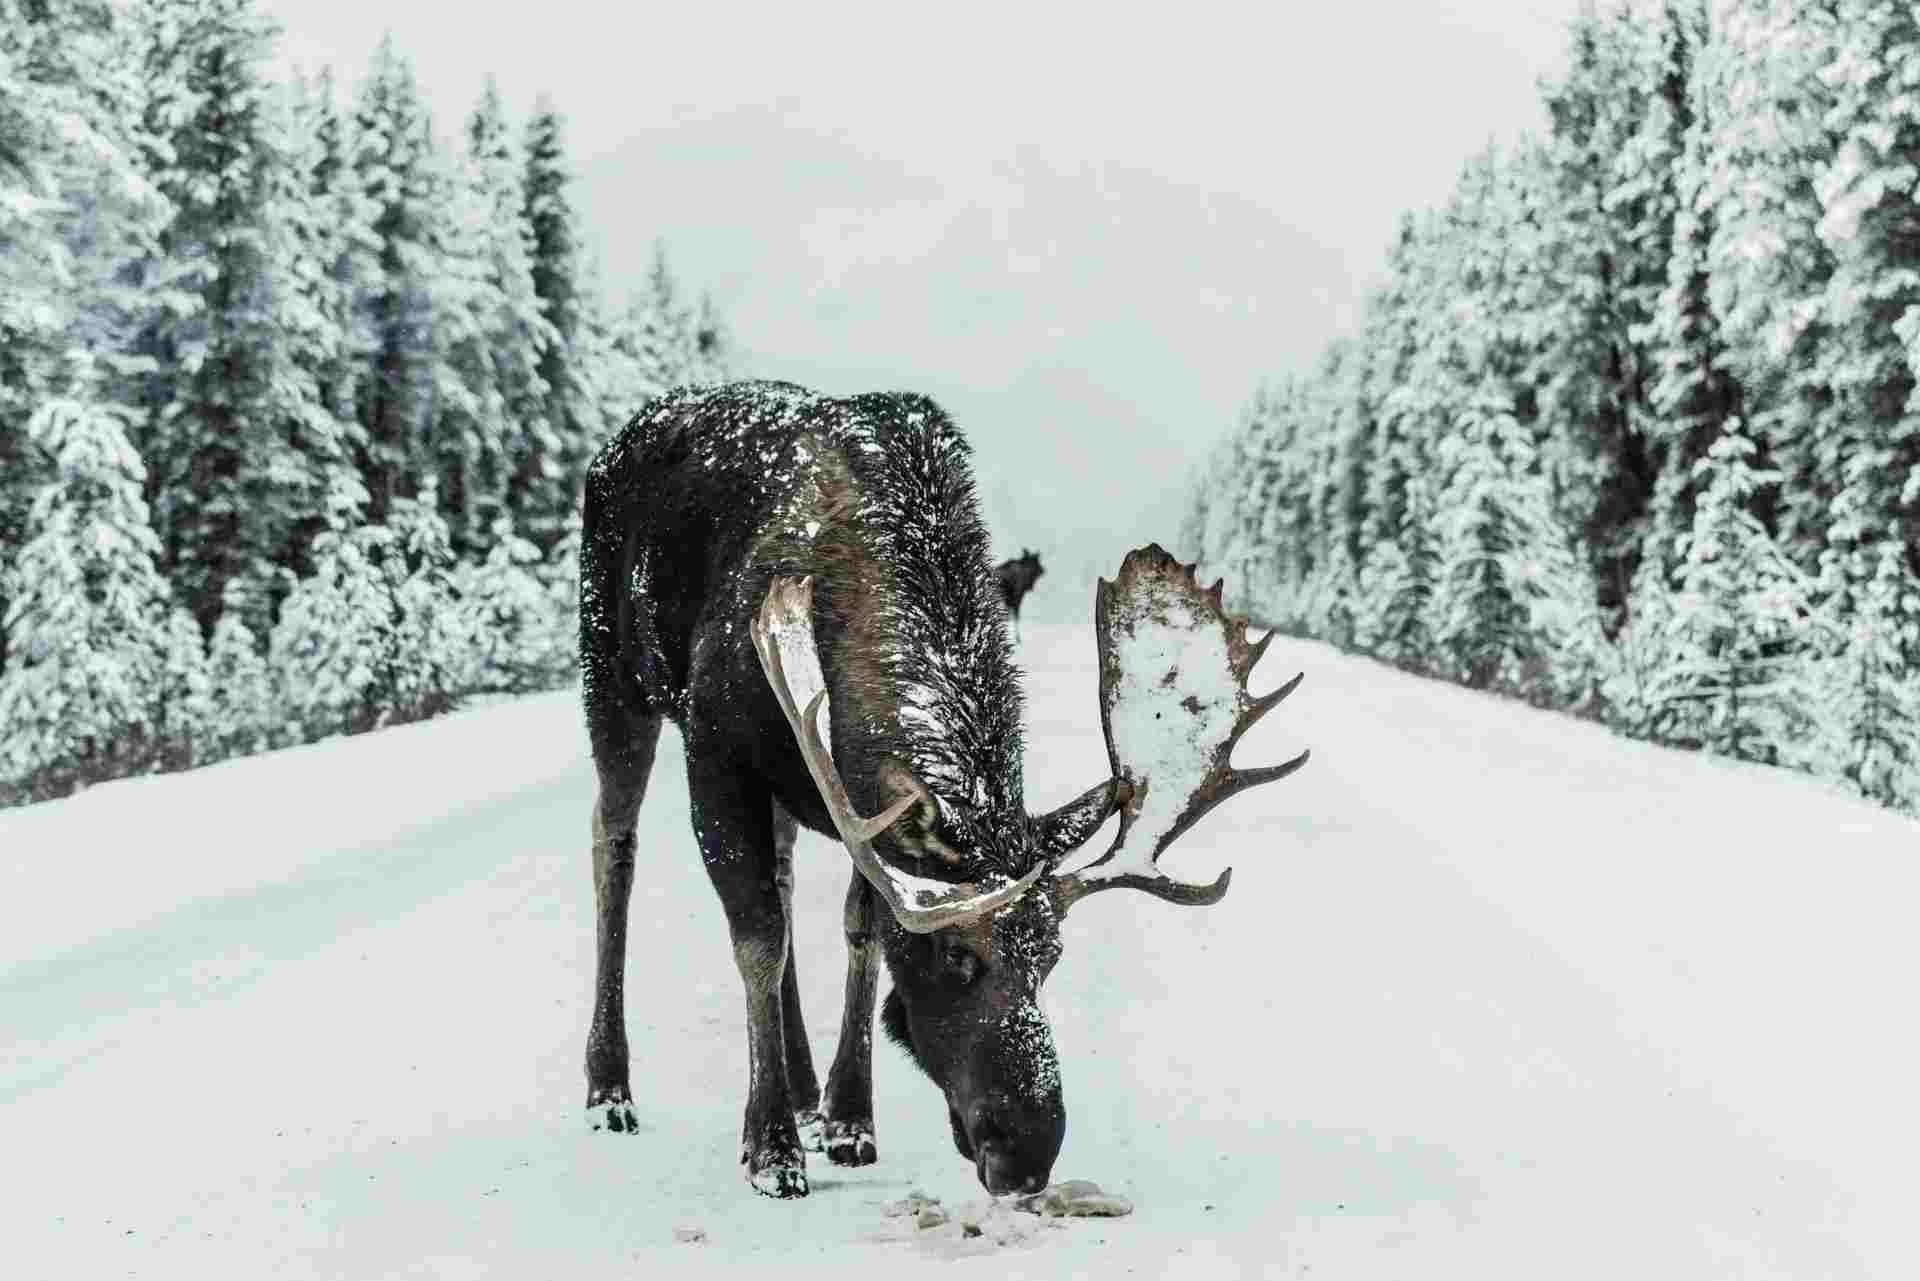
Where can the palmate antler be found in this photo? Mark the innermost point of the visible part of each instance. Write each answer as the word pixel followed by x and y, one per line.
pixel 1173 702
pixel 783 637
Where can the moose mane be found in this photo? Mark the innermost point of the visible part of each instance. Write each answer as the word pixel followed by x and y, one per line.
pixel 929 638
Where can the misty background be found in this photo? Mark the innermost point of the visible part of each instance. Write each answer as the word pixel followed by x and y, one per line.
pixel 1086 234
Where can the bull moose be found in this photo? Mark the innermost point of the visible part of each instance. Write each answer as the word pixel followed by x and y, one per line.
pixel 801 584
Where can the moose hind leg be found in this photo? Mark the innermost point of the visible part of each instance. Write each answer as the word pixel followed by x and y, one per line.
pixel 733 821
pixel 802 1085
pixel 623 748
pixel 848 1129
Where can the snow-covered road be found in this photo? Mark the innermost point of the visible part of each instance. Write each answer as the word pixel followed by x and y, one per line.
pixel 1494 995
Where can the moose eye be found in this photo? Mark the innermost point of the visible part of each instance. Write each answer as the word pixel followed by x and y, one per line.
pixel 959 964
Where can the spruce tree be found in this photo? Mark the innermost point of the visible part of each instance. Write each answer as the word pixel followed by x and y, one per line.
pixel 518 332
pixel 394 167
pixel 89 618
pixel 1476 616
pixel 546 476
pixel 1740 615
pixel 77 214
pixel 235 425
pixel 1864 694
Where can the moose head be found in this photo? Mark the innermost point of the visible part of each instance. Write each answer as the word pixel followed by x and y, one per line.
pixel 968 959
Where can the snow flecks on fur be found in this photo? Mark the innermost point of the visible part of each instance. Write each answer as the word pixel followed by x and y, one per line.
pixel 953 713
pixel 960 698
pixel 1176 701
pixel 1027 937
pixel 1026 1036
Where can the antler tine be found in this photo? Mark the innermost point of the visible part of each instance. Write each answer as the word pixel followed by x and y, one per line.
pixel 1254 652
pixel 921 905
pixel 1266 702
pixel 1173 705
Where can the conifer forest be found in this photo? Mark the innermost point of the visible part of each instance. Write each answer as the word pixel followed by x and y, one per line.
pixel 297 391
pixel 298 386
pixel 1630 426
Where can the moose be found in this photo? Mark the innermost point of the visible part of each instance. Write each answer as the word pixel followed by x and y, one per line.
pixel 801 584
pixel 1016 578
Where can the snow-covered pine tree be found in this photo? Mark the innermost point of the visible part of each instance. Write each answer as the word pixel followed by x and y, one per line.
pixel 520 333
pixel 1603 261
pixel 1477 617
pixel 545 480
pixel 343 242
pixel 329 648
pixel 1766 268
pixel 1643 689
pixel 1226 471
pixel 241 717
pixel 393 160
pixel 665 327
pixel 1864 695
pixel 373 637
pixel 1738 636
pixel 1695 391
pixel 508 615
pixel 319 238
pixel 1249 562
pixel 88 614
pixel 1396 587
pixel 468 431
pixel 1329 603
pixel 613 384
pixel 430 654
pixel 560 580
pixel 1871 305
pixel 236 425
pixel 77 211
pixel 1390 330
pixel 183 701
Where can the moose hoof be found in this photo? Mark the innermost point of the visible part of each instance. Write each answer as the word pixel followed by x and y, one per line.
pixel 778 1177
pixel 809 1126
pixel 850 1143
pixel 611 1110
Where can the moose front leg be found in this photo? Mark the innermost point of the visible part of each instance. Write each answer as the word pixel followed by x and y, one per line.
pixel 802 1085
pixel 848 1132
pixel 732 819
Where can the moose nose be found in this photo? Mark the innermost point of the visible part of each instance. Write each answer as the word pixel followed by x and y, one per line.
pixel 1002 1171
pixel 1010 1156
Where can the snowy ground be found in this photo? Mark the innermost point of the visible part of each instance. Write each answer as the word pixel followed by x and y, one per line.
pixel 1494 995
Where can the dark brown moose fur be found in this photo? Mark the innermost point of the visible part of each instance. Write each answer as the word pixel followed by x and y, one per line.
pixel 691 511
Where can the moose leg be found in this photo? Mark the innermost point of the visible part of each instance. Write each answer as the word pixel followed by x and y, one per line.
pixel 802 1085
pixel 733 821
pixel 623 748
pixel 849 1114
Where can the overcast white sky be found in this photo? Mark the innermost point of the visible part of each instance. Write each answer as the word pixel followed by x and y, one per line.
pixel 1087 233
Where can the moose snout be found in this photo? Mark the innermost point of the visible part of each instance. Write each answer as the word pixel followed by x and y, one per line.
pixel 1012 1147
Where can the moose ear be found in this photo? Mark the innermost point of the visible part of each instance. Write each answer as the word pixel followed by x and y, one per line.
pixel 913 833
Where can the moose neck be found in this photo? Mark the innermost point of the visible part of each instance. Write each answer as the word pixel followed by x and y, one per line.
pixel 922 662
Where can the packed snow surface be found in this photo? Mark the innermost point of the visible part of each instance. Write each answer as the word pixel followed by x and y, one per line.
pixel 1494 995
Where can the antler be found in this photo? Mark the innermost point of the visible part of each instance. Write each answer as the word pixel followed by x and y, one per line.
pixel 783 637
pixel 1173 702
